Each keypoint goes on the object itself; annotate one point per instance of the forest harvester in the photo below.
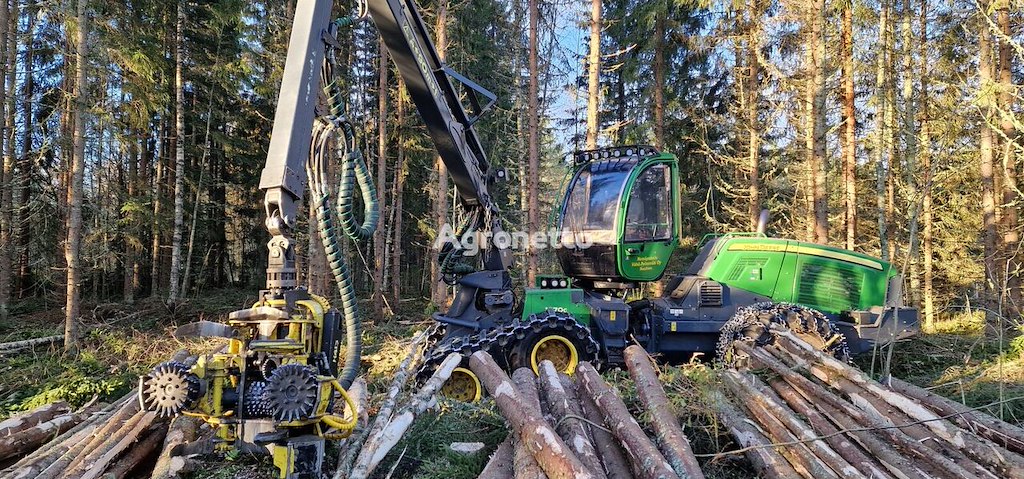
(274, 384)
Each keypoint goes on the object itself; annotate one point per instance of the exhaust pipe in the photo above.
(762, 222)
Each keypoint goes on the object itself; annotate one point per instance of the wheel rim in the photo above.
(557, 349)
(463, 386)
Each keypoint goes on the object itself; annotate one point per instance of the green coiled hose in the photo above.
(353, 173)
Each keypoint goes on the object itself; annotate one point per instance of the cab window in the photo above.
(649, 214)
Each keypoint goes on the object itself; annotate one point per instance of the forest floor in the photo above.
(961, 359)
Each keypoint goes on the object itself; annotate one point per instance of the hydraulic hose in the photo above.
(353, 173)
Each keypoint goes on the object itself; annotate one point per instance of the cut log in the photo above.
(29, 343)
(525, 466)
(664, 419)
(751, 388)
(33, 437)
(889, 410)
(32, 418)
(499, 466)
(565, 409)
(914, 410)
(33, 466)
(1006, 435)
(766, 460)
(800, 456)
(182, 431)
(526, 384)
(616, 465)
(78, 454)
(833, 408)
(129, 437)
(554, 457)
(829, 404)
(347, 456)
(148, 446)
(378, 446)
(840, 443)
(646, 458)
(130, 428)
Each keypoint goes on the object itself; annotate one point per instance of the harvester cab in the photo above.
(620, 217)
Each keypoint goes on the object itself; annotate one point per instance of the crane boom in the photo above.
(429, 82)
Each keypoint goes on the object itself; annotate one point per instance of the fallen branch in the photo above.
(646, 458)
(378, 446)
(664, 419)
(554, 457)
(29, 343)
(348, 455)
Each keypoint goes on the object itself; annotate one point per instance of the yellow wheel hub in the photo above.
(557, 349)
(463, 386)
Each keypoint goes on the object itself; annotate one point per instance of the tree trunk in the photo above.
(25, 170)
(848, 138)
(7, 212)
(752, 110)
(815, 98)
(396, 207)
(1011, 237)
(156, 227)
(926, 165)
(379, 239)
(664, 419)
(182, 430)
(130, 461)
(910, 155)
(533, 141)
(881, 170)
(179, 151)
(659, 76)
(988, 202)
(551, 453)
(74, 241)
(766, 460)
(594, 75)
(648, 462)
(438, 289)
(5, 180)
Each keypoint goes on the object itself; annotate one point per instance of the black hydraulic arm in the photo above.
(430, 84)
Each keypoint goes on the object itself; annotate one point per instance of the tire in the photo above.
(557, 337)
(751, 324)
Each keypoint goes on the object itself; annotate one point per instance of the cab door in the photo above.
(649, 219)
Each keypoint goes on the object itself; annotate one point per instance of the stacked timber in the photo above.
(802, 413)
(579, 427)
(94, 442)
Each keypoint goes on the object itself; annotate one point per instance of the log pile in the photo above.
(579, 427)
(802, 413)
(94, 442)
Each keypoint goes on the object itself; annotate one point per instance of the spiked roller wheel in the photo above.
(169, 388)
(292, 392)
